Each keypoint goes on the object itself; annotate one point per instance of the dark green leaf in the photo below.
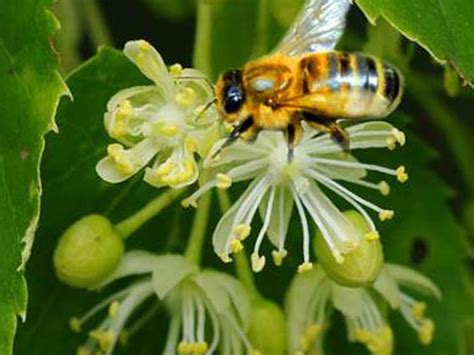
(30, 89)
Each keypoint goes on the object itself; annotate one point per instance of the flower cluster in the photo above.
(313, 297)
(165, 121)
(171, 129)
(209, 310)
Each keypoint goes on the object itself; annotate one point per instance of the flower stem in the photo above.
(261, 36)
(202, 41)
(96, 24)
(198, 230)
(129, 225)
(242, 267)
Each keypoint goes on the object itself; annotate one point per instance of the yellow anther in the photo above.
(120, 157)
(241, 231)
(225, 258)
(105, 338)
(200, 348)
(391, 142)
(144, 45)
(185, 348)
(113, 309)
(304, 267)
(223, 181)
(418, 309)
(385, 215)
(186, 97)
(313, 331)
(189, 202)
(166, 168)
(258, 262)
(236, 246)
(123, 337)
(278, 256)
(379, 342)
(384, 188)
(425, 334)
(337, 256)
(190, 144)
(83, 350)
(402, 176)
(176, 70)
(75, 324)
(169, 130)
(372, 235)
(399, 136)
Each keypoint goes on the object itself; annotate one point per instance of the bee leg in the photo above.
(340, 136)
(294, 133)
(238, 130)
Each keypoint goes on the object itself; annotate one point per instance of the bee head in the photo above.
(230, 92)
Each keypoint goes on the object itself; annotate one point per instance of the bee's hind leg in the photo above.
(338, 133)
(294, 134)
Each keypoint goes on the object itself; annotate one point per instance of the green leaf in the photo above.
(443, 27)
(30, 90)
(72, 189)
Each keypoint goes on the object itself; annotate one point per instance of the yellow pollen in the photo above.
(104, 337)
(372, 235)
(144, 45)
(200, 348)
(189, 202)
(241, 231)
(402, 176)
(169, 130)
(75, 324)
(186, 97)
(125, 110)
(223, 181)
(236, 246)
(399, 136)
(337, 256)
(384, 188)
(385, 215)
(113, 309)
(278, 256)
(120, 157)
(258, 262)
(225, 258)
(185, 348)
(166, 168)
(176, 70)
(418, 309)
(304, 267)
(190, 144)
(391, 142)
(379, 342)
(425, 334)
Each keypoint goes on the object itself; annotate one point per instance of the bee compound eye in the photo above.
(234, 99)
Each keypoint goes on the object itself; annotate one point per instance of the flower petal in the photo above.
(137, 157)
(387, 286)
(150, 63)
(169, 271)
(412, 279)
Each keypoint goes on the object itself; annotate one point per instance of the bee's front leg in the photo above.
(294, 134)
(243, 127)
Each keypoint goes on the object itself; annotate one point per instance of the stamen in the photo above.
(241, 231)
(385, 215)
(278, 256)
(176, 70)
(75, 324)
(304, 225)
(266, 222)
(355, 165)
(372, 235)
(426, 331)
(402, 176)
(236, 246)
(223, 181)
(105, 338)
(258, 262)
(304, 267)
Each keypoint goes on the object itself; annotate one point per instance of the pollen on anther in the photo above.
(236, 246)
(385, 215)
(223, 181)
(305, 267)
(384, 188)
(402, 176)
(75, 324)
(258, 262)
(241, 231)
(372, 235)
(278, 256)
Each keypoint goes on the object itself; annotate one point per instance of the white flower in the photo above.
(277, 185)
(161, 121)
(209, 310)
(313, 297)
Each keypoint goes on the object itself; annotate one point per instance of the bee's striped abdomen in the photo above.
(352, 85)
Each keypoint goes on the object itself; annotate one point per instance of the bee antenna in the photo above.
(205, 108)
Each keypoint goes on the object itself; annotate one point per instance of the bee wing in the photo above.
(317, 27)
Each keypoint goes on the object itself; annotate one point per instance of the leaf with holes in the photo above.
(30, 90)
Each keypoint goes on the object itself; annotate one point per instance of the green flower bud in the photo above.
(360, 266)
(87, 252)
(267, 332)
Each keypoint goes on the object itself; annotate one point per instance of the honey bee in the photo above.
(305, 79)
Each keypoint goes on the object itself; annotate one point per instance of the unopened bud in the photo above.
(87, 252)
(267, 332)
(362, 265)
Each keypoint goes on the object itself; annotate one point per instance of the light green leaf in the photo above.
(30, 90)
(169, 271)
(443, 27)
